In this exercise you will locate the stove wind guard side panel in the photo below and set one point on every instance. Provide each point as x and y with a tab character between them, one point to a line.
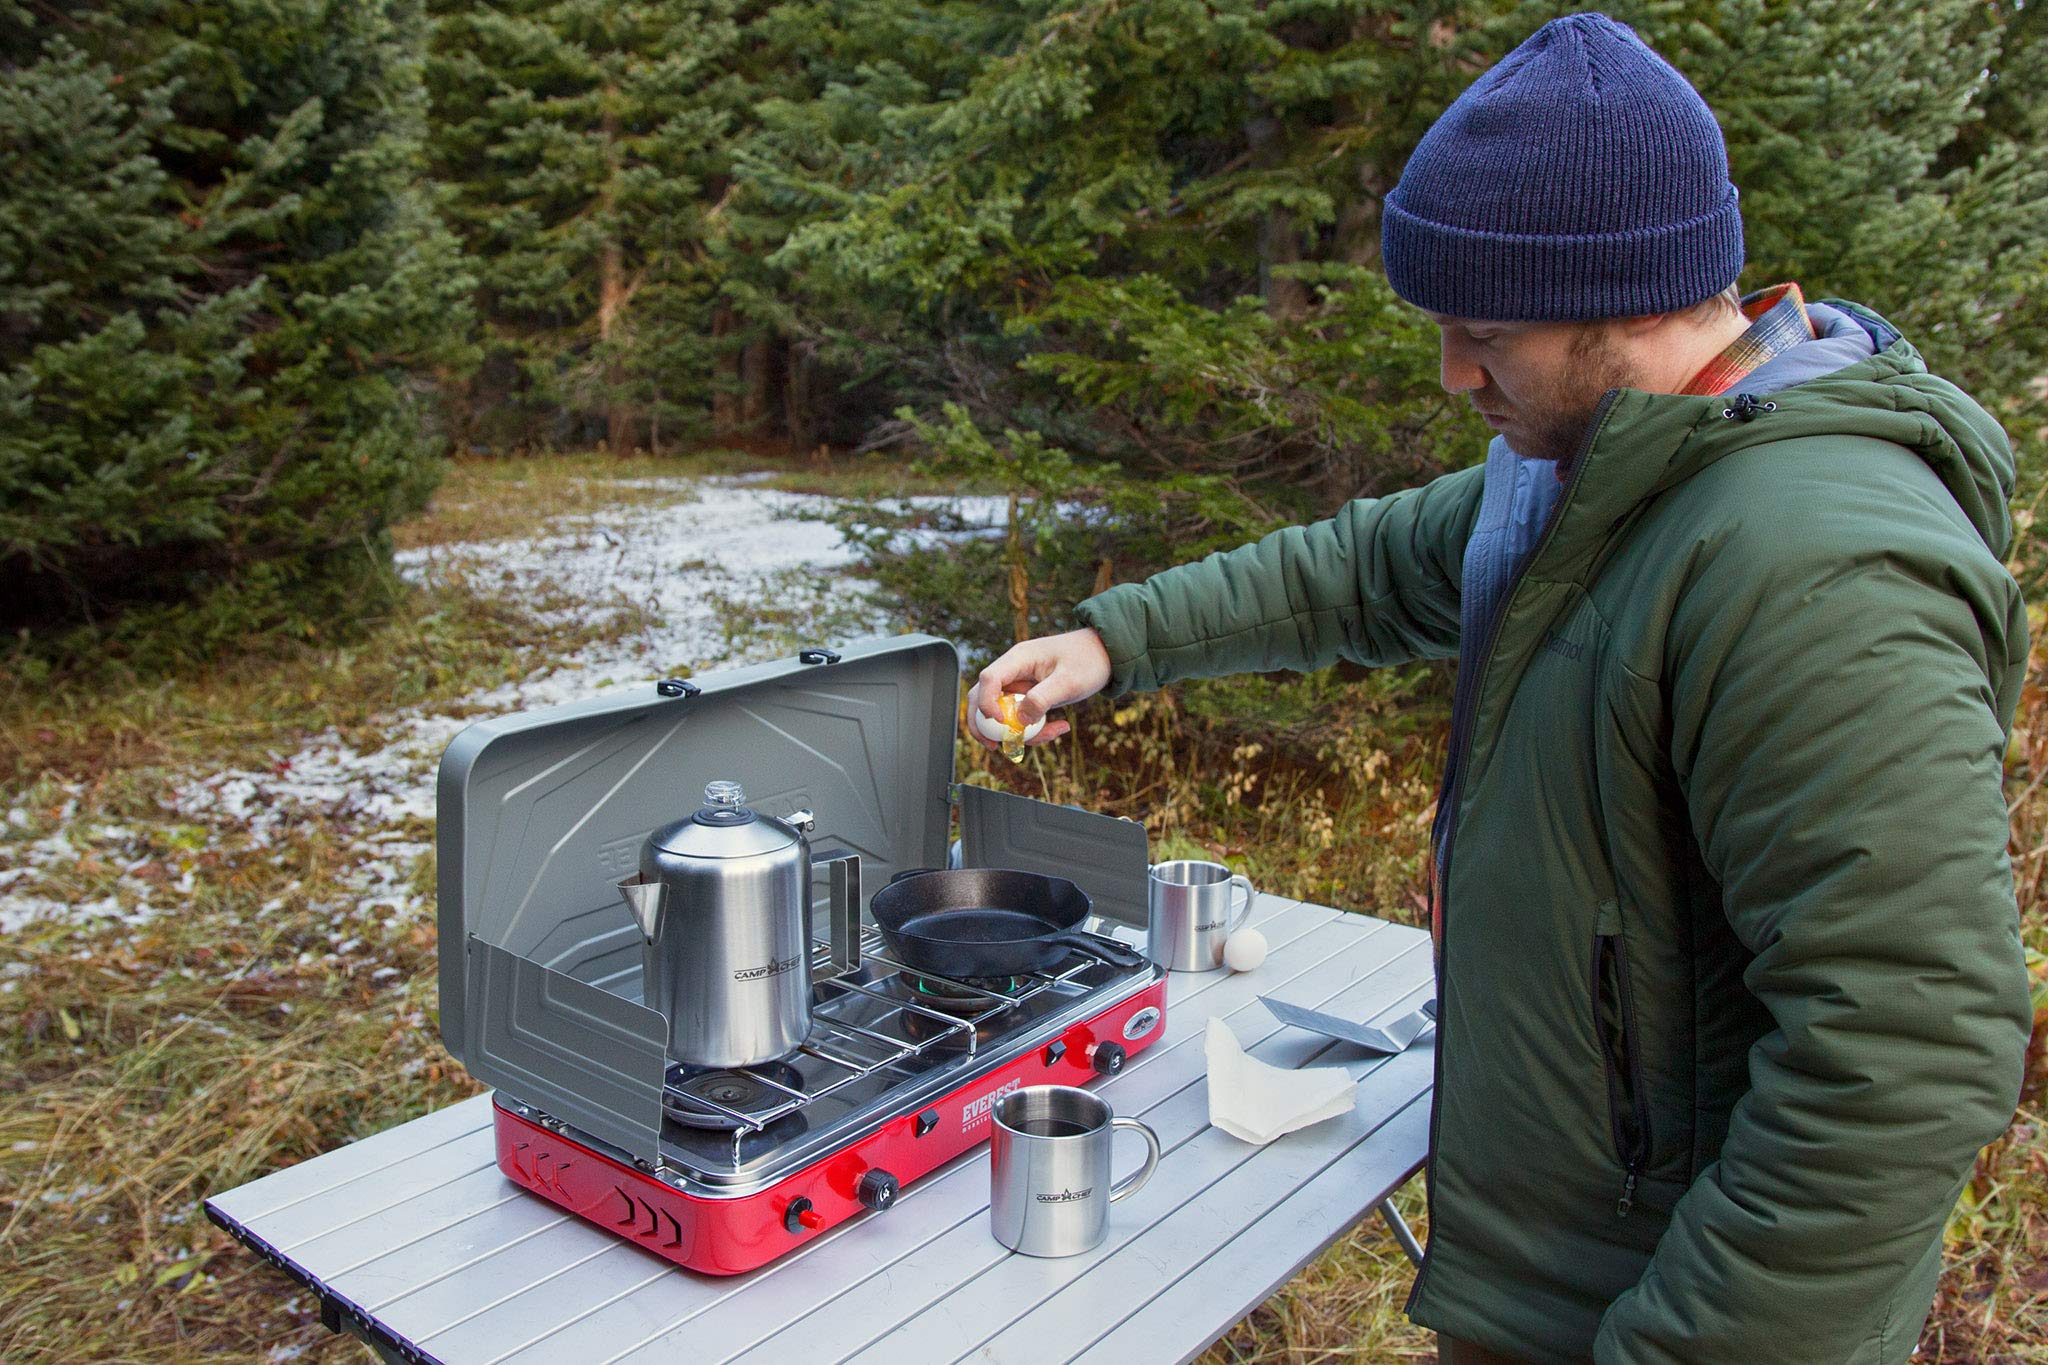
541	812
1105	855
590	1058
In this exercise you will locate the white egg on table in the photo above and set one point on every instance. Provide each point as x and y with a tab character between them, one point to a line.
1244	950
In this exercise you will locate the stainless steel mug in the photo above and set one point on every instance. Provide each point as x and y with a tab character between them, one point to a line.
1190	914
1050	1192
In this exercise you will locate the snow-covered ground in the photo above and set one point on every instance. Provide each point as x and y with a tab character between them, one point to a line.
688	570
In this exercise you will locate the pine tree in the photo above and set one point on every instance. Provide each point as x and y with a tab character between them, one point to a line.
1149	228
582	145
219	292
1893	156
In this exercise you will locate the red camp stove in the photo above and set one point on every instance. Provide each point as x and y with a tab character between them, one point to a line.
897	1078
557	992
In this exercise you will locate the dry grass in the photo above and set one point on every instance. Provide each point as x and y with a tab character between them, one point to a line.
1992	1303
498	499
272	1018
143	1067
154	1067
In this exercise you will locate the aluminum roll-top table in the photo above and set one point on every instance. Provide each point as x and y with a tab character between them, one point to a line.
417	1244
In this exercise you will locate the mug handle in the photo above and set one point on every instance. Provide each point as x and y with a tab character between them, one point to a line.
1135	1181
1237	920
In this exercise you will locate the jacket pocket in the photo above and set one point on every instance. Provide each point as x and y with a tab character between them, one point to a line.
1614	1022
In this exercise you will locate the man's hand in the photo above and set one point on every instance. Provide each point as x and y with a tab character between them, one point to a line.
1050	671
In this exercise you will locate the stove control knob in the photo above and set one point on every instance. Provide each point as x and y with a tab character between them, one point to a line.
801	1216
877	1190
1107	1058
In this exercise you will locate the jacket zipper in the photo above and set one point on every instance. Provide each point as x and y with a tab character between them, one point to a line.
1459	739
1628	1116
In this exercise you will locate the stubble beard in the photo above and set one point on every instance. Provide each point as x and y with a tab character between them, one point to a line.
1558	423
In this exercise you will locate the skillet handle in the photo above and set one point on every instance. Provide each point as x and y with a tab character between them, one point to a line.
910	872
1101	949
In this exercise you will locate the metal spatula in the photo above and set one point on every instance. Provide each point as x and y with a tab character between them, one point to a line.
1395	1037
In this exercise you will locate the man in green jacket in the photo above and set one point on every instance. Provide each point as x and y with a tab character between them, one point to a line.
1729	976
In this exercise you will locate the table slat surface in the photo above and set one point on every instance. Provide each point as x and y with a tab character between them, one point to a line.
415	1235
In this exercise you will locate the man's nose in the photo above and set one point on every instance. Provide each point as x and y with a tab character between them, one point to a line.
1458	373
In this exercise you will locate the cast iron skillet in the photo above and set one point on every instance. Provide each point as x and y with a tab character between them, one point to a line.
958	922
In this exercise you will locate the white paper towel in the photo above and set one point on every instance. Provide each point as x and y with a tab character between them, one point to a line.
1256	1103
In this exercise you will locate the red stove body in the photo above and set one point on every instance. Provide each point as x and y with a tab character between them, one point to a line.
724	1233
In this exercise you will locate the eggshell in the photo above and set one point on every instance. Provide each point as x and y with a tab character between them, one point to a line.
996	732
1244	950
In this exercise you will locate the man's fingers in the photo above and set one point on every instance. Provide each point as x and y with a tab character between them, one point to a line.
1047	674
1015	666
1018	668
1053	730
1042	698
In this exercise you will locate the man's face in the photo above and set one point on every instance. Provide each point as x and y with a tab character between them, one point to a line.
1536	383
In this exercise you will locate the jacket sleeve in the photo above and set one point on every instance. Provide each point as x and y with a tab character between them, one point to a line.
1376	584
1838	728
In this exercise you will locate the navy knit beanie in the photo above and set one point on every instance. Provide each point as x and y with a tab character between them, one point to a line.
1581	177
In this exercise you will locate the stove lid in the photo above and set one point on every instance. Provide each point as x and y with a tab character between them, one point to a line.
540	812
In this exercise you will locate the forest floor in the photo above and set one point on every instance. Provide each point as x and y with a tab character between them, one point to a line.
216	889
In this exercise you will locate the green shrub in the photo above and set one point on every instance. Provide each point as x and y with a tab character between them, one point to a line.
221	291
1070	528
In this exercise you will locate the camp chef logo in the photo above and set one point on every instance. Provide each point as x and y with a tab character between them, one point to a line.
775	968
978	1109
1065	1196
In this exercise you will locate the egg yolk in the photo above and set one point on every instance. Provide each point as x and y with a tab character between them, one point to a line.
1013	743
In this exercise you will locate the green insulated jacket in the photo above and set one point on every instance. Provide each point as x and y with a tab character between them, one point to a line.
1731	988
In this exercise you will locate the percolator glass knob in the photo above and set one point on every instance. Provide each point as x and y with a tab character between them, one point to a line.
724	794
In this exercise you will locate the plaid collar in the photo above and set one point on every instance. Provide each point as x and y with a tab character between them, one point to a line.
1777	323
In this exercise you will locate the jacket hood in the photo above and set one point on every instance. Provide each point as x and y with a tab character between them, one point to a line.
1858	377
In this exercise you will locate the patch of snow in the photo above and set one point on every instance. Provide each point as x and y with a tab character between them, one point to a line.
677	569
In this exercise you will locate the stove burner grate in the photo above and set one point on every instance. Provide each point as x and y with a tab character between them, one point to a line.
752	1095
850	1042
967	998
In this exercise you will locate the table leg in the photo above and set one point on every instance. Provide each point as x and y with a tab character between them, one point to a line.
1399	1227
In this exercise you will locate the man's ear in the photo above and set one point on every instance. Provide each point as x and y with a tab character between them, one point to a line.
1637	328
